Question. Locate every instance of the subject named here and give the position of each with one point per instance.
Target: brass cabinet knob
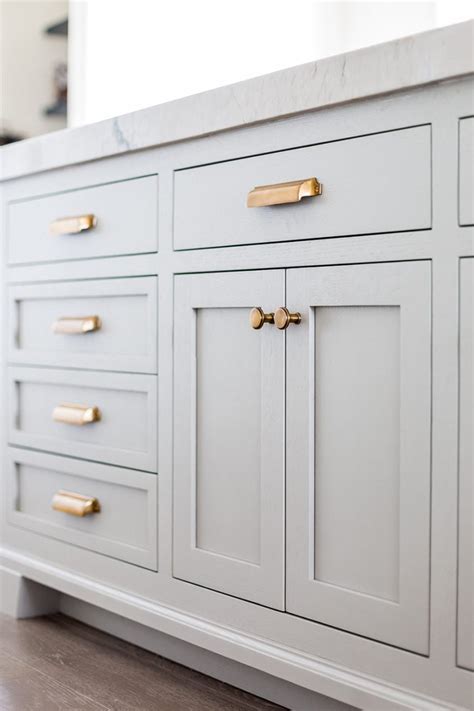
(258, 317)
(283, 318)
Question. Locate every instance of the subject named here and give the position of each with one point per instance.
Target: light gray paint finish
(126, 341)
(358, 449)
(126, 525)
(126, 222)
(466, 171)
(357, 458)
(22, 598)
(465, 642)
(229, 436)
(367, 188)
(125, 434)
(408, 679)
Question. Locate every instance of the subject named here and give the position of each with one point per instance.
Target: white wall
(128, 54)
(27, 59)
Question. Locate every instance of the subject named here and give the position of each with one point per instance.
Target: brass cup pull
(77, 324)
(80, 415)
(75, 504)
(282, 193)
(283, 318)
(72, 225)
(258, 318)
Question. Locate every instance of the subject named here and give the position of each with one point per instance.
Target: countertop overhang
(418, 60)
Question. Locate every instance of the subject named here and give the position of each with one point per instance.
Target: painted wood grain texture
(125, 434)
(57, 664)
(229, 419)
(362, 179)
(362, 455)
(122, 209)
(124, 496)
(125, 341)
(466, 171)
(465, 645)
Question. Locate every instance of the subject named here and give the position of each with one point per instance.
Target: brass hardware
(76, 414)
(281, 193)
(283, 318)
(258, 318)
(75, 504)
(77, 324)
(72, 225)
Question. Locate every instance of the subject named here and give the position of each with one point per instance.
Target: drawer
(108, 324)
(125, 433)
(466, 171)
(124, 524)
(50, 228)
(376, 183)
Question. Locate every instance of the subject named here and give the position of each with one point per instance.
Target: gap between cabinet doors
(296, 464)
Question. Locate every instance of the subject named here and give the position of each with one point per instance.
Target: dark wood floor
(57, 664)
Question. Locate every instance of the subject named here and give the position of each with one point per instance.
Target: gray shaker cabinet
(229, 436)
(358, 390)
(358, 449)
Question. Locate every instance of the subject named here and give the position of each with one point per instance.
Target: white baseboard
(275, 660)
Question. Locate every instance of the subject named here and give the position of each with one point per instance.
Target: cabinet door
(358, 449)
(229, 436)
(465, 654)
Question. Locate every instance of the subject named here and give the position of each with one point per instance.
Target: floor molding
(243, 677)
(311, 673)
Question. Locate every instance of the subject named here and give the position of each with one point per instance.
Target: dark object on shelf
(6, 138)
(59, 106)
(59, 28)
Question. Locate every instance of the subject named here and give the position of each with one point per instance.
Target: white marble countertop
(426, 58)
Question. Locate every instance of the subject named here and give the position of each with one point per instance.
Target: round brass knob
(283, 318)
(258, 318)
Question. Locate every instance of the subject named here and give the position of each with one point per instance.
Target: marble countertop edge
(429, 57)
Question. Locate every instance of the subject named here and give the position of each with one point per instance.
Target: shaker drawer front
(107, 324)
(370, 184)
(104, 220)
(106, 417)
(466, 171)
(105, 509)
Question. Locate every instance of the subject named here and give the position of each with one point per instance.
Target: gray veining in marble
(426, 58)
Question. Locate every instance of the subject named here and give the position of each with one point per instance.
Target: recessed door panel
(357, 426)
(358, 452)
(229, 436)
(465, 645)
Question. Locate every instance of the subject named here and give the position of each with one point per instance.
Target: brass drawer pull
(73, 225)
(77, 324)
(75, 504)
(281, 193)
(258, 318)
(76, 414)
(283, 318)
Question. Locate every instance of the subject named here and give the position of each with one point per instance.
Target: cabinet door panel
(229, 436)
(358, 449)
(465, 651)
